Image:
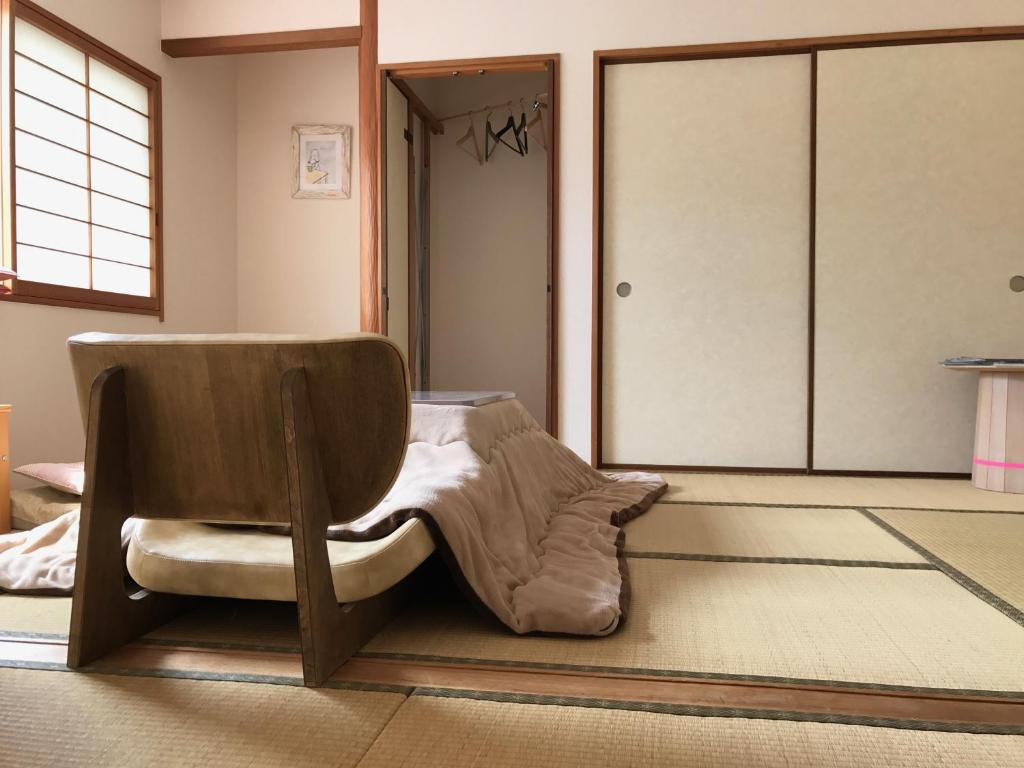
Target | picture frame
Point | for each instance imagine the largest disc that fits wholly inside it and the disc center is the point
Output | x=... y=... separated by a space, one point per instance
x=321 y=161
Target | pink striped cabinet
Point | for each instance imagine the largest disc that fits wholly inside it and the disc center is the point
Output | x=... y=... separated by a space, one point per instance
x=999 y=430
x=5 y=472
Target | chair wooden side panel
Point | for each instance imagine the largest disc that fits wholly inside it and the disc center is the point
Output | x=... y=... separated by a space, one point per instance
x=103 y=616
x=330 y=633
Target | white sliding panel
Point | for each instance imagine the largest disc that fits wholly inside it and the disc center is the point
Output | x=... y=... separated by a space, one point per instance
x=706 y=206
x=920 y=226
x=397 y=207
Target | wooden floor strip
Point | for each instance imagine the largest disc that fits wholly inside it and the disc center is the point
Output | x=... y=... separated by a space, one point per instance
x=647 y=673
x=611 y=690
x=745 y=713
x=1008 y=716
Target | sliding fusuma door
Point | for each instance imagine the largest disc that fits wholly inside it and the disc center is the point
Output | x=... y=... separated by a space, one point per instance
x=920 y=227
x=705 y=262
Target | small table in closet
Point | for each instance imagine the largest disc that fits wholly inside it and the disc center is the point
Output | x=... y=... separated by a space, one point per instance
x=471 y=398
x=998 y=463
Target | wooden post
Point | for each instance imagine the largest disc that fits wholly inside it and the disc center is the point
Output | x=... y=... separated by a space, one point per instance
x=370 y=313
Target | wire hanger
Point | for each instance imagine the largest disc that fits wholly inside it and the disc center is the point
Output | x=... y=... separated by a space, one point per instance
x=538 y=117
x=470 y=135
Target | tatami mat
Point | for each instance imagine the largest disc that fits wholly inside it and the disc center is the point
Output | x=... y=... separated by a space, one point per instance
x=830 y=534
x=212 y=621
x=429 y=731
x=988 y=548
x=25 y=614
x=64 y=718
x=909 y=493
x=249 y=623
x=809 y=622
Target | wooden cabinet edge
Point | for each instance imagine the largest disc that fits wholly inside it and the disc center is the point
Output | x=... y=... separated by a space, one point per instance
x=5 y=472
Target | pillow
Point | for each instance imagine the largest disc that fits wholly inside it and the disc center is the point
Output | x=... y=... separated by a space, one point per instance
x=34 y=506
x=69 y=478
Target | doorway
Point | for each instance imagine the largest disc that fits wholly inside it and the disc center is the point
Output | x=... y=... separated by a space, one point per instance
x=468 y=225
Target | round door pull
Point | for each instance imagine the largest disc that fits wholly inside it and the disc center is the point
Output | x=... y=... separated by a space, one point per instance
x=624 y=289
x=1017 y=283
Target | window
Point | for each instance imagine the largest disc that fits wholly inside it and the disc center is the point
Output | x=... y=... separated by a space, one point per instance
x=81 y=157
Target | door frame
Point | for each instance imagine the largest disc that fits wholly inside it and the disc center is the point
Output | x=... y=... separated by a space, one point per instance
x=429 y=125
x=373 y=276
x=808 y=45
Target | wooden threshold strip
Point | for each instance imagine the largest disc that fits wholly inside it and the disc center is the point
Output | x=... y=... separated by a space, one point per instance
x=263 y=42
x=286 y=668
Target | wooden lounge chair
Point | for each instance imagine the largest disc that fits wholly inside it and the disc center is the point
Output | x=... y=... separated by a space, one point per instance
x=264 y=430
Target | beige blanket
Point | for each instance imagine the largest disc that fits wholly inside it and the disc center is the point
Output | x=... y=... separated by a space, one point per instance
x=529 y=528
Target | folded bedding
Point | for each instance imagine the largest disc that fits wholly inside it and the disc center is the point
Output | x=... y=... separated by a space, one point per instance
x=531 y=531
x=34 y=506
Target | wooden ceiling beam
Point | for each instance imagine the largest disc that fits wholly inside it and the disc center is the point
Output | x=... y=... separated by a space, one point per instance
x=263 y=42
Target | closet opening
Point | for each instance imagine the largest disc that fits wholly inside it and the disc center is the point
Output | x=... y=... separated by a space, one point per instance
x=468 y=217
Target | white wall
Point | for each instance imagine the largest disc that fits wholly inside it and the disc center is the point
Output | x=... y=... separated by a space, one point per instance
x=199 y=235
x=205 y=18
x=199 y=182
x=451 y=29
x=298 y=260
x=488 y=256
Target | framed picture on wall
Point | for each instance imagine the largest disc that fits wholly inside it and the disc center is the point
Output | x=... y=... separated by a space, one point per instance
x=322 y=161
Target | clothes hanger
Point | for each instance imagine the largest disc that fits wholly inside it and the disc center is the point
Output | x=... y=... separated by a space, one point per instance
x=489 y=134
x=470 y=135
x=521 y=134
x=519 y=149
x=499 y=137
x=538 y=117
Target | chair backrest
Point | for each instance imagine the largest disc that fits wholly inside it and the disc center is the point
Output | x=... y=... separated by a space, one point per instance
x=206 y=436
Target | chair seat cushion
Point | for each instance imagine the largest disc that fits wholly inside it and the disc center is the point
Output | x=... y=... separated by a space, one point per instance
x=195 y=559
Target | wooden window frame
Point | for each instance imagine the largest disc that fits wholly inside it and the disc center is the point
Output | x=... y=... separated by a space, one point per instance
x=29 y=292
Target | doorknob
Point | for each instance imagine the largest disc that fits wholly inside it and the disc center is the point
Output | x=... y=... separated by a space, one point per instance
x=1017 y=283
x=624 y=289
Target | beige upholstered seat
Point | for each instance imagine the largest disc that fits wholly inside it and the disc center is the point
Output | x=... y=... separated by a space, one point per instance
x=195 y=559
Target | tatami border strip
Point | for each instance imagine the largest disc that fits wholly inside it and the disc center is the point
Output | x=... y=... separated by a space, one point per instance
x=675 y=673
x=781 y=560
x=178 y=642
x=182 y=674
x=778 y=505
x=961 y=578
x=706 y=711
x=12 y=634
x=215 y=645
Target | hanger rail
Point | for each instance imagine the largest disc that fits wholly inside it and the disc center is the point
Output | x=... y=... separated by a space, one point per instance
x=501 y=105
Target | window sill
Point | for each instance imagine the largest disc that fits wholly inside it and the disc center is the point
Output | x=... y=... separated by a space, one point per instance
x=123 y=305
